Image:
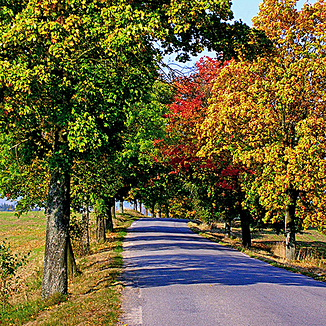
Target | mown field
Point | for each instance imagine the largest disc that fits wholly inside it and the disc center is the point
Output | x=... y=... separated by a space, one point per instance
x=94 y=295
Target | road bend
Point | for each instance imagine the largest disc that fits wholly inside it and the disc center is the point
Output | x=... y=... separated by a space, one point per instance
x=174 y=277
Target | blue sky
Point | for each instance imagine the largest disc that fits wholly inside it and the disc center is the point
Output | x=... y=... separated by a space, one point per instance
x=246 y=9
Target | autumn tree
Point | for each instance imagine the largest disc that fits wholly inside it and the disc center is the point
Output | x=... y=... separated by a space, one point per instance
x=270 y=114
x=70 y=75
x=211 y=184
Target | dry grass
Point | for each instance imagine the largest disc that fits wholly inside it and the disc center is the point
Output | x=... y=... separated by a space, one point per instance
x=94 y=295
x=25 y=234
x=268 y=246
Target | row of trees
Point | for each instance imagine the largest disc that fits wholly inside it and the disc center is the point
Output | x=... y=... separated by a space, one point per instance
x=86 y=118
x=81 y=101
x=247 y=138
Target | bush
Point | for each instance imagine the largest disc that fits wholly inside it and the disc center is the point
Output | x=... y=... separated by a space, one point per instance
x=9 y=264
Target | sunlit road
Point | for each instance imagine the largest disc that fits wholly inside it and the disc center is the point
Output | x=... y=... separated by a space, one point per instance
x=174 y=277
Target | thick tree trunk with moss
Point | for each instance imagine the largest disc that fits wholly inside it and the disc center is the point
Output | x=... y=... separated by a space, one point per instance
x=85 y=235
x=55 y=277
x=290 y=229
x=245 y=228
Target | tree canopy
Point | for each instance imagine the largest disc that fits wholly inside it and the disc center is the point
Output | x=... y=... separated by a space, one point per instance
x=270 y=115
x=72 y=74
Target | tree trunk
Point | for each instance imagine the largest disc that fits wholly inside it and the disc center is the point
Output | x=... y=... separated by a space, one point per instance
x=71 y=262
x=113 y=210
x=100 y=228
x=55 y=277
x=153 y=210
x=146 y=211
x=245 y=228
x=158 y=212
x=227 y=229
x=290 y=241
x=85 y=235
x=121 y=207
x=100 y=222
x=140 y=207
x=108 y=216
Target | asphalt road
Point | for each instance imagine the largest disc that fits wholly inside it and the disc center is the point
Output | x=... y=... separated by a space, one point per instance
x=174 y=277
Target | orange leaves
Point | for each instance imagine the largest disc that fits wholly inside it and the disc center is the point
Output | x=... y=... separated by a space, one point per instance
x=270 y=113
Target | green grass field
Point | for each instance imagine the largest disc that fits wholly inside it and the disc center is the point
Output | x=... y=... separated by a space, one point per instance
x=25 y=234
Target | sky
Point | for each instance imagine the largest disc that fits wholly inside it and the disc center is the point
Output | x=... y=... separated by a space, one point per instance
x=246 y=9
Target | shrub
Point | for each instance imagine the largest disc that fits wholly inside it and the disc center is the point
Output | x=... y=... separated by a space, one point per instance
x=9 y=264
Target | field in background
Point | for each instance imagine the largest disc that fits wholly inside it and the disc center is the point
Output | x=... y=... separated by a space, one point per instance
x=26 y=233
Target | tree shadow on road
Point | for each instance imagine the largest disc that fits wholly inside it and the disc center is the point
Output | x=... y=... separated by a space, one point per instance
x=161 y=255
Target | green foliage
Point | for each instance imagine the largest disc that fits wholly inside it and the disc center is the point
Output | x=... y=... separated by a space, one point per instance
x=269 y=114
x=9 y=264
x=75 y=228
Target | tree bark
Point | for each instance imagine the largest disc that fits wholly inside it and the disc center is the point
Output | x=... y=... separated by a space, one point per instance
x=113 y=210
x=108 y=216
x=158 y=212
x=245 y=228
x=55 y=276
x=100 y=228
x=290 y=241
x=146 y=211
x=121 y=207
x=71 y=262
x=153 y=211
x=100 y=222
x=85 y=235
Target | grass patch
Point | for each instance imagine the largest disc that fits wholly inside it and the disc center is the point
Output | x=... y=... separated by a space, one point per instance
x=94 y=295
x=269 y=247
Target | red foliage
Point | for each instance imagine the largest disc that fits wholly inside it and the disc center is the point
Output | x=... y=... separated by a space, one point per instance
x=185 y=114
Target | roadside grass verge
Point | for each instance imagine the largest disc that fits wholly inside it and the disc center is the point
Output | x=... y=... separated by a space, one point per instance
x=94 y=294
x=269 y=247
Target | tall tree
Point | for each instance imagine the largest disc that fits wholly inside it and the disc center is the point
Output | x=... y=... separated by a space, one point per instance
x=212 y=184
x=68 y=78
x=270 y=113
x=70 y=72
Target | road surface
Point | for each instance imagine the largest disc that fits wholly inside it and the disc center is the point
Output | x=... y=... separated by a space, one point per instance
x=174 y=277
